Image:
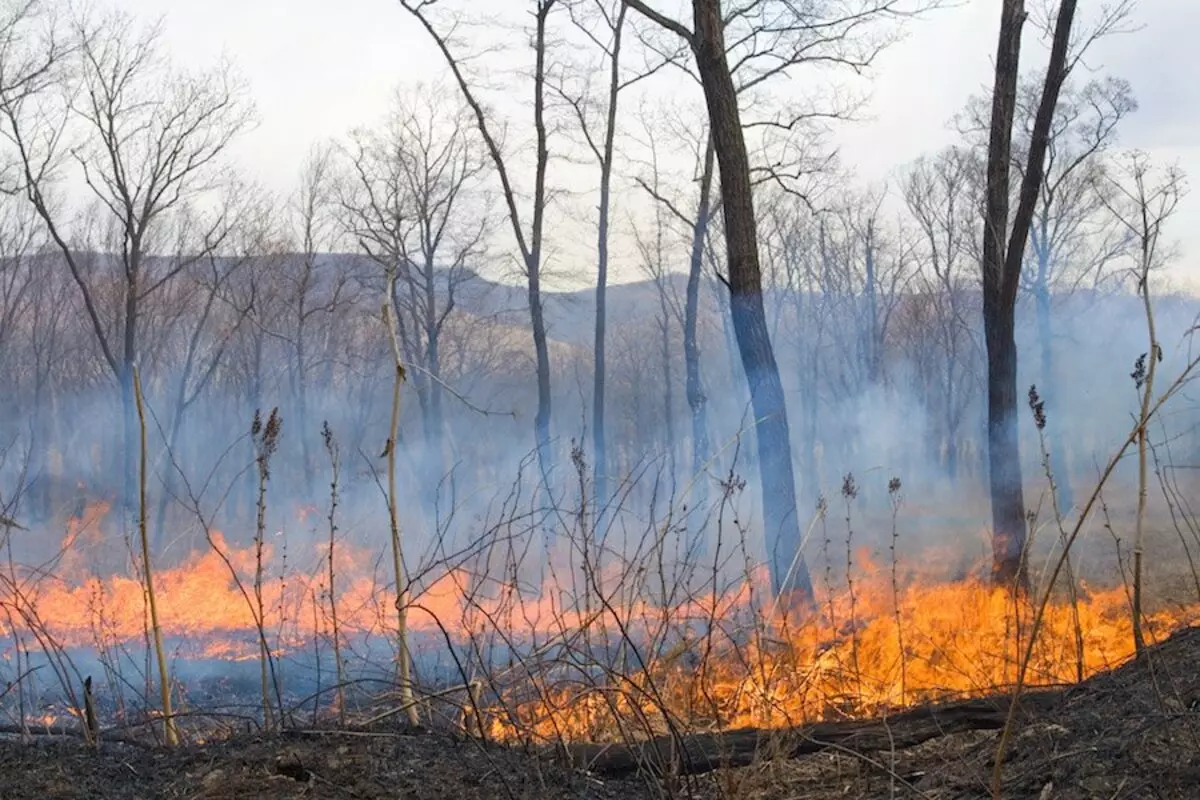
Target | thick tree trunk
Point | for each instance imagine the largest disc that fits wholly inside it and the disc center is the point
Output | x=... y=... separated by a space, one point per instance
x=999 y=304
x=782 y=528
x=1002 y=272
x=1004 y=464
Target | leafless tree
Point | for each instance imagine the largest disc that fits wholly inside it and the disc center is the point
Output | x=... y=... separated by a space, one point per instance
x=769 y=39
x=654 y=263
x=941 y=194
x=147 y=142
x=1072 y=239
x=1004 y=243
x=691 y=213
x=529 y=239
x=200 y=326
x=415 y=204
x=1143 y=199
x=602 y=23
x=312 y=285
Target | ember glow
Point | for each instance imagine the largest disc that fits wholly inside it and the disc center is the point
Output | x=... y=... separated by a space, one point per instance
x=878 y=644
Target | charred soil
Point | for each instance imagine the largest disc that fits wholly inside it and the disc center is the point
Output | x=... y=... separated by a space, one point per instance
x=330 y=764
x=1133 y=732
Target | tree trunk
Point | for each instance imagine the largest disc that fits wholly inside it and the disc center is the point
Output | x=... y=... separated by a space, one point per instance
x=668 y=381
x=606 y=163
x=782 y=529
x=307 y=435
x=1002 y=272
x=132 y=433
x=872 y=345
x=533 y=260
x=697 y=401
x=999 y=305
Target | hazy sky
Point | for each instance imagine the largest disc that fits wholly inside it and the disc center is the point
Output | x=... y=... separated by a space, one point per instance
x=319 y=67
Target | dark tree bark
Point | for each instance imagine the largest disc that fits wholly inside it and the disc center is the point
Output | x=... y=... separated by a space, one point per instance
x=1002 y=273
x=777 y=477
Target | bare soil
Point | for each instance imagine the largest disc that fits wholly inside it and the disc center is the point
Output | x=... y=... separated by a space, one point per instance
x=1129 y=734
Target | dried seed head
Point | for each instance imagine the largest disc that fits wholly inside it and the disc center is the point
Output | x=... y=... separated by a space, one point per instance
x=894 y=485
x=849 y=488
x=1038 y=406
x=266 y=437
x=1139 y=371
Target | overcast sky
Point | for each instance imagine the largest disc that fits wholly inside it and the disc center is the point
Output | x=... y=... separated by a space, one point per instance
x=320 y=67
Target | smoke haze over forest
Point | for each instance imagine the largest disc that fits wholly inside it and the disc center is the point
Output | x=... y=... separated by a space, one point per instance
x=152 y=234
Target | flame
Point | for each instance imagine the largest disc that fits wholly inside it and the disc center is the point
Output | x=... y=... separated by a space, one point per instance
x=875 y=644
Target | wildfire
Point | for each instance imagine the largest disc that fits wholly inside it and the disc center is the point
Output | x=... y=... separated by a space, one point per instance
x=591 y=670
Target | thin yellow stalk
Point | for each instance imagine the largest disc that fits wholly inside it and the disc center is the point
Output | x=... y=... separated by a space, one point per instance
x=170 y=731
x=403 y=657
x=1139 y=639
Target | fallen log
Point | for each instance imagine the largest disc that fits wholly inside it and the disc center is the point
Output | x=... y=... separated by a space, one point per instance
x=695 y=754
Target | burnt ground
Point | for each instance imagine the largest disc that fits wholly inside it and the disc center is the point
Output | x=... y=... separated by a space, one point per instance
x=1131 y=733
x=393 y=765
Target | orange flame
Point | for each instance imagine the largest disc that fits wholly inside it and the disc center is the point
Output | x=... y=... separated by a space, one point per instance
x=872 y=646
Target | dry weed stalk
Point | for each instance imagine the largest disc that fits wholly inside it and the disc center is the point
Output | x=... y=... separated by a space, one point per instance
x=266 y=441
x=1038 y=407
x=335 y=464
x=1142 y=208
x=403 y=656
x=1043 y=601
x=170 y=730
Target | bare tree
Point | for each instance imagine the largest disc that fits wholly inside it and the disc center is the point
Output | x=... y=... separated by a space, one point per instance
x=692 y=214
x=1142 y=202
x=771 y=38
x=313 y=287
x=941 y=196
x=529 y=240
x=794 y=247
x=1072 y=239
x=1004 y=243
x=148 y=144
x=200 y=325
x=707 y=40
x=604 y=27
x=652 y=249
x=416 y=206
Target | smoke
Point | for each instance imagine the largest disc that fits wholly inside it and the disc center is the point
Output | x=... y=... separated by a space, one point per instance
x=455 y=481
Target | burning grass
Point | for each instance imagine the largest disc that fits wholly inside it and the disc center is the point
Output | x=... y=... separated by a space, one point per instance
x=590 y=657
